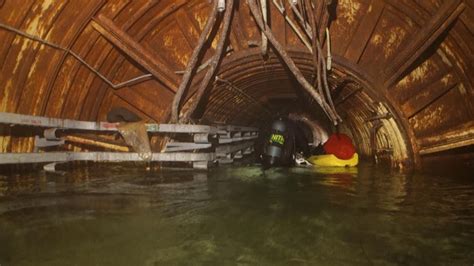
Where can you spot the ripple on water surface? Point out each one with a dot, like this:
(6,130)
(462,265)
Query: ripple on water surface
(236,216)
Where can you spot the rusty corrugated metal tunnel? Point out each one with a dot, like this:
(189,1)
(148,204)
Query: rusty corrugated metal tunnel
(402,75)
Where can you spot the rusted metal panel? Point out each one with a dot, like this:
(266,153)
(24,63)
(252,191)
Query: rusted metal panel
(190,31)
(117,65)
(137,52)
(59,86)
(460,64)
(360,36)
(59,91)
(467,18)
(410,11)
(145,104)
(67,34)
(23,70)
(425,38)
(14,15)
(349,14)
(458,136)
(391,34)
(246,21)
(176,51)
(85,44)
(126,11)
(429,94)
(414,83)
(98,88)
(442,114)
(115,99)
(20,62)
(65,78)
(106,103)
(113,8)
(81,85)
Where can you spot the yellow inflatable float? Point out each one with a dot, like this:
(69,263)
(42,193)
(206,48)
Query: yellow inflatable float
(328,160)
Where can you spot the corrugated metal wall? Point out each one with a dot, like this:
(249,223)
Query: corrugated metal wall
(413,58)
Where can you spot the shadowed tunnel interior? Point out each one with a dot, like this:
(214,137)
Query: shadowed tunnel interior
(158,91)
(401,76)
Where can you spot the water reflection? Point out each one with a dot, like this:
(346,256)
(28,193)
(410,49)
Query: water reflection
(236,215)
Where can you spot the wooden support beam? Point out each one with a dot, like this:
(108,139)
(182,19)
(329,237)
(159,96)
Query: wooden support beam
(429,94)
(364,31)
(96,142)
(137,52)
(424,39)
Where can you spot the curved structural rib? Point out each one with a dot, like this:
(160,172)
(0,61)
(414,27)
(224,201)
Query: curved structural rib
(191,67)
(211,72)
(291,65)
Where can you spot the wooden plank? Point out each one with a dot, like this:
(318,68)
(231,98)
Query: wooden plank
(429,94)
(137,52)
(440,22)
(364,31)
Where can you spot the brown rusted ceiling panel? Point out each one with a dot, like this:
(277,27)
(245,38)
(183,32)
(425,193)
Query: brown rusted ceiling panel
(352,21)
(391,34)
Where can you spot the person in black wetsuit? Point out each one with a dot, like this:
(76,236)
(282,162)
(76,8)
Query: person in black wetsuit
(282,143)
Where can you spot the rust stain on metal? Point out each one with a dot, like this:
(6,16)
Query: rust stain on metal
(432,90)
(349,10)
(459,62)
(174,45)
(349,28)
(440,115)
(390,40)
(418,74)
(200,15)
(35,25)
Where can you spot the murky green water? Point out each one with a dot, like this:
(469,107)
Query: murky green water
(237,216)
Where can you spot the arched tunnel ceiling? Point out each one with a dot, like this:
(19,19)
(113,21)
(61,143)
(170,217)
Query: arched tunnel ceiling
(416,57)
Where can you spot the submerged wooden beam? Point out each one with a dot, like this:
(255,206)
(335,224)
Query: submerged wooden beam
(424,39)
(136,51)
(94,141)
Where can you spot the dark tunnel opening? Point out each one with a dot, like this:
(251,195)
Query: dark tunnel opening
(256,92)
(236,132)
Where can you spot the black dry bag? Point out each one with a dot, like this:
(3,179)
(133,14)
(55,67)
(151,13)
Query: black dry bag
(276,141)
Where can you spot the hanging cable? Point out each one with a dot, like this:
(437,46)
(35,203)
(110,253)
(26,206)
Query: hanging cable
(263,4)
(291,65)
(281,9)
(211,72)
(329,57)
(193,62)
(315,57)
